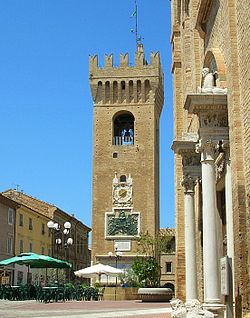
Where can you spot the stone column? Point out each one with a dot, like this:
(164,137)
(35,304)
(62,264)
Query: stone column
(210,252)
(230,236)
(229,209)
(190,247)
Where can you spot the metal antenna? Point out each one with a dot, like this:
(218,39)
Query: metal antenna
(136,25)
(135,14)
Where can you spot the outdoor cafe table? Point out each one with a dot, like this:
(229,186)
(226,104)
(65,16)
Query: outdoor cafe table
(16,292)
(50,293)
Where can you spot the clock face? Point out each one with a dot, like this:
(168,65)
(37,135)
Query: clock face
(122,194)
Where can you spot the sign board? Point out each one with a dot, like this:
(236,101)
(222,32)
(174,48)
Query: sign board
(123,245)
(224,269)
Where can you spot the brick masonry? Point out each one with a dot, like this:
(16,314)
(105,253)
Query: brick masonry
(219,30)
(121,90)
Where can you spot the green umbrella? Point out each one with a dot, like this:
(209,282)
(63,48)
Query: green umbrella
(36,261)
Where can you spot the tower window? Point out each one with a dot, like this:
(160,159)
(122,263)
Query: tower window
(123,129)
(123,91)
(115,155)
(147,89)
(123,178)
(138,90)
(115,92)
(131,90)
(107,92)
(99,92)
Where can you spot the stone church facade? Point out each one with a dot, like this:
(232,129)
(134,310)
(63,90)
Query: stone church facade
(210,67)
(127,105)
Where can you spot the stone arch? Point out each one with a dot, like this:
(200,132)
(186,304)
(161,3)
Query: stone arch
(170,285)
(123,128)
(215,58)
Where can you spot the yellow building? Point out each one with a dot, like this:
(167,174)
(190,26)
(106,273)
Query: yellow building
(33,235)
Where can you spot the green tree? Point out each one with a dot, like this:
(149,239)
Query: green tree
(129,278)
(147,270)
(147,264)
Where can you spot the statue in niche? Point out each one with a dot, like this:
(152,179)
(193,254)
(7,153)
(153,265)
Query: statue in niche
(209,83)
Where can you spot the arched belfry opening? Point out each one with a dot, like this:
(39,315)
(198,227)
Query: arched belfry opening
(123,129)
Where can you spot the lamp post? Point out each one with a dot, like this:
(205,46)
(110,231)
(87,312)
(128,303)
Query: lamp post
(61,238)
(117,255)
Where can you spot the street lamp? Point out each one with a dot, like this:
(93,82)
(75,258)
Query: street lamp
(117,255)
(60,237)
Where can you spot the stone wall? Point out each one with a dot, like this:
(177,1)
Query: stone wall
(120,293)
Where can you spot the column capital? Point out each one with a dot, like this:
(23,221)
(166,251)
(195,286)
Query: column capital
(188,183)
(190,159)
(207,149)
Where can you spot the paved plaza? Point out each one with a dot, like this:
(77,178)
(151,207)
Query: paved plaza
(79,309)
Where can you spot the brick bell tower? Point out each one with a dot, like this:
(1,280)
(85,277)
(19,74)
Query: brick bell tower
(127,105)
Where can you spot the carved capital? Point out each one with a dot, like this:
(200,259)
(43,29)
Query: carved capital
(207,149)
(188,183)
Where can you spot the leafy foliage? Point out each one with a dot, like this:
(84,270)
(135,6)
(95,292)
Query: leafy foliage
(146,266)
(147,270)
(154,246)
(129,278)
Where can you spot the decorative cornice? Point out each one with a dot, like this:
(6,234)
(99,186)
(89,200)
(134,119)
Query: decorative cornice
(195,103)
(181,146)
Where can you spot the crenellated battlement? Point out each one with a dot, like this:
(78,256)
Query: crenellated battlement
(126,84)
(139,61)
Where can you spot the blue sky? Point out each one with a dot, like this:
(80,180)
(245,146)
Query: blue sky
(45,103)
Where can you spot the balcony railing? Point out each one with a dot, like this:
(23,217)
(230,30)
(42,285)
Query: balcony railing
(123,140)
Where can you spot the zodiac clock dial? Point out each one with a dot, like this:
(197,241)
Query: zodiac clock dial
(122,194)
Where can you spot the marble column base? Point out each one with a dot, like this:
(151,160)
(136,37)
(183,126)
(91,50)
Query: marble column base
(218,309)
